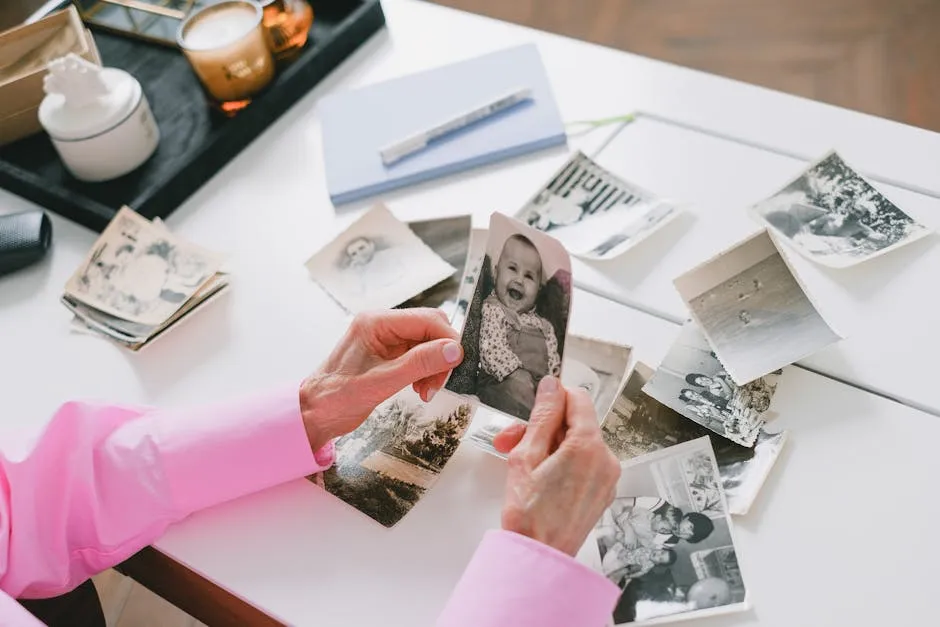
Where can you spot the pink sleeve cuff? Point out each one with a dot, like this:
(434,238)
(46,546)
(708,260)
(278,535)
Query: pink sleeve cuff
(514,580)
(217,453)
(12,614)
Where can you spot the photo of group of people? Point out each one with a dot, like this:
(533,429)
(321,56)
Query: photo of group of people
(692,381)
(667,539)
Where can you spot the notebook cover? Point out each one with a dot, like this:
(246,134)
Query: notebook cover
(358,123)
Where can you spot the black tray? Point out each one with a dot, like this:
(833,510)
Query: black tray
(196,142)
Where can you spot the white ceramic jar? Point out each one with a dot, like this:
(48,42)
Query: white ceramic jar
(98,118)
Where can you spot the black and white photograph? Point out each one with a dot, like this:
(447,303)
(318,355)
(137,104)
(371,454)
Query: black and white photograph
(384,467)
(597,367)
(377,263)
(692,381)
(486,426)
(832,215)
(593,212)
(140,272)
(476,251)
(449,238)
(667,539)
(638,424)
(516,326)
(753,310)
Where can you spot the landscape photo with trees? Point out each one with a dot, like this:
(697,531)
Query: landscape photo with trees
(386,465)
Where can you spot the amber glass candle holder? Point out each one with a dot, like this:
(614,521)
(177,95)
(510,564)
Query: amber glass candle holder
(226,46)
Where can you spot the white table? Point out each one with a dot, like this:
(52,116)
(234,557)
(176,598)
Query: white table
(305,558)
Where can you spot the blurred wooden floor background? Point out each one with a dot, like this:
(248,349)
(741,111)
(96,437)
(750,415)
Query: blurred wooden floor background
(876,56)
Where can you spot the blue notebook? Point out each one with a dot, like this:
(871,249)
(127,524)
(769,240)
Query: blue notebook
(358,123)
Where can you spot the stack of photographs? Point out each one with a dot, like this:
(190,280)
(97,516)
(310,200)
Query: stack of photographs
(594,213)
(638,424)
(450,239)
(139,280)
(667,540)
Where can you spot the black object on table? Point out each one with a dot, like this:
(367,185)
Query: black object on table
(196,142)
(24,239)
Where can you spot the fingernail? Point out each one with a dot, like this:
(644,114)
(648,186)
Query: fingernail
(548,385)
(452,352)
(432,392)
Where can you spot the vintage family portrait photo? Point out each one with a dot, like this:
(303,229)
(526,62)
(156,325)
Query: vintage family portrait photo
(832,215)
(692,381)
(516,325)
(140,272)
(753,310)
(377,263)
(638,424)
(596,366)
(449,238)
(385,466)
(594,213)
(667,540)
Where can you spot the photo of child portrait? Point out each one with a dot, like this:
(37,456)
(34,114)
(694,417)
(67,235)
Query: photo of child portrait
(515,328)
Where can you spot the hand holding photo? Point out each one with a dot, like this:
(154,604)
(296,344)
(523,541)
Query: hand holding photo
(386,465)
(516,326)
(753,311)
(594,213)
(638,424)
(667,539)
(832,215)
(694,383)
(377,263)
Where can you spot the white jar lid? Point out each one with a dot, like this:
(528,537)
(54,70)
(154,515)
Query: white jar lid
(65,122)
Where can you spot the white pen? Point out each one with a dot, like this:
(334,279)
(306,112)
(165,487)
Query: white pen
(401,149)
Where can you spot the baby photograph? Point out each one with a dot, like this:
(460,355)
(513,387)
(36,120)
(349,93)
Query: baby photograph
(377,263)
(666,540)
(638,424)
(517,321)
(594,213)
(832,215)
(752,309)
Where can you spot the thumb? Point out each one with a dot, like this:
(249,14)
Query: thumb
(422,361)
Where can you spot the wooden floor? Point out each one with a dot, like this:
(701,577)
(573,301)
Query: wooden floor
(128,604)
(876,56)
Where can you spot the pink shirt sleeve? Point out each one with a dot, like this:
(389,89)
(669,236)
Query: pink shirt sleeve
(104,481)
(514,580)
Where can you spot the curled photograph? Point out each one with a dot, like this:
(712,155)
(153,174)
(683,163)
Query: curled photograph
(832,215)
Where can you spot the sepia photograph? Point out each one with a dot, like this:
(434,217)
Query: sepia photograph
(449,238)
(476,250)
(140,272)
(666,540)
(377,263)
(594,213)
(694,383)
(638,424)
(832,215)
(597,367)
(753,310)
(516,325)
(385,466)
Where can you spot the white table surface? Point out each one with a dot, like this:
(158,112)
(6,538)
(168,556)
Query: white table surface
(308,559)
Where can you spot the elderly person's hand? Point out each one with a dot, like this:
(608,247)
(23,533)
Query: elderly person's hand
(561,474)
(380,354)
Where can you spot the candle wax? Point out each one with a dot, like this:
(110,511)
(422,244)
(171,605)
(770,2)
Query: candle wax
(220,28)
